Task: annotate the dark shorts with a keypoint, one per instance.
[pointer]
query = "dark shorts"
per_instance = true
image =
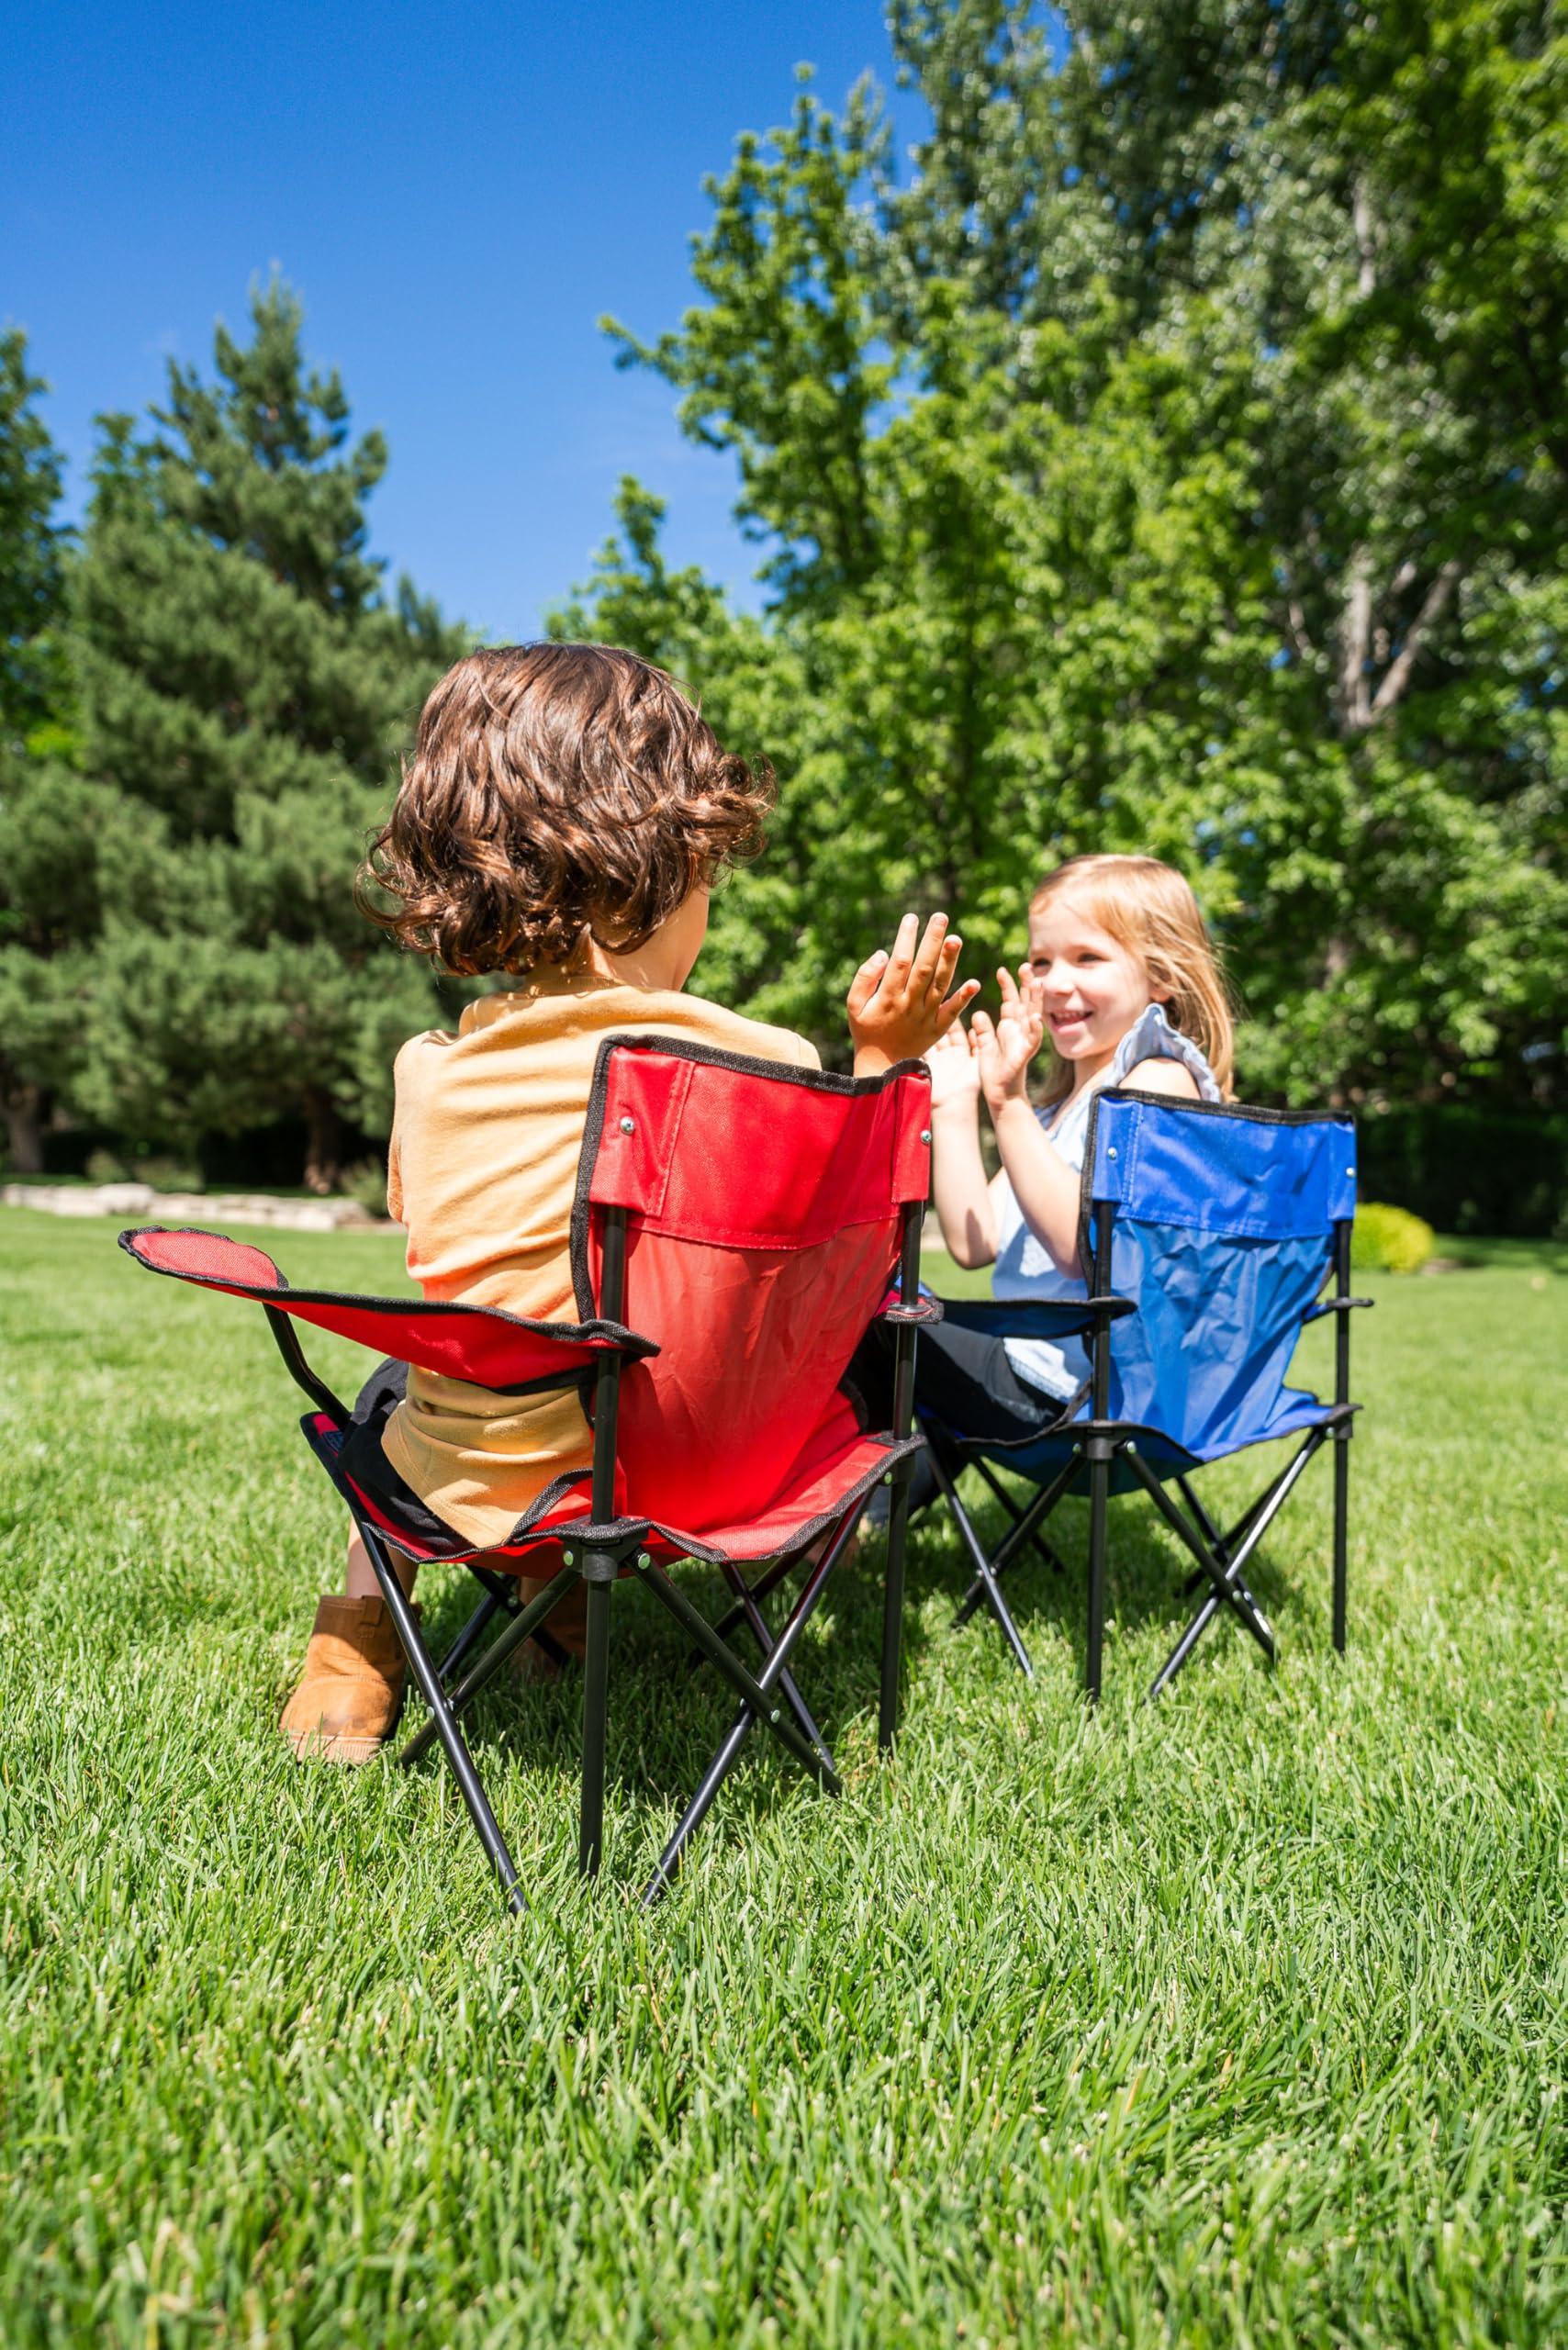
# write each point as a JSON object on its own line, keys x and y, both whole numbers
{"x": 362, "y": 1459}
{"x": 963, "y": 1377}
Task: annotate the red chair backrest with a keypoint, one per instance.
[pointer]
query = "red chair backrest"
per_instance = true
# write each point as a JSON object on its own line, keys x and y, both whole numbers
{"x": 765, "y": 1211}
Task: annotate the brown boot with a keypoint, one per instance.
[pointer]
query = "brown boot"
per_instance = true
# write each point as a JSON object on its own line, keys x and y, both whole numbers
{"x": 350, "y": 1691}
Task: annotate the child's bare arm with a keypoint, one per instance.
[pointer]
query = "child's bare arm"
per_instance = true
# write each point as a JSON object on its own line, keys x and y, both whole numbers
{"x": 1044, "y": 1185}
{"x": 962, "y": 1195}
{"x": 898, "y": 1005}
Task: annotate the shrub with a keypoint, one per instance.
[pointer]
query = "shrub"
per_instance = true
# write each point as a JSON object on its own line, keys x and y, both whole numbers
{"x": 168, "y": 1174}
{"x": 1390, "y": 1240}
{"x": 365, "y": 1181}
{"x": 103, "y": 1167}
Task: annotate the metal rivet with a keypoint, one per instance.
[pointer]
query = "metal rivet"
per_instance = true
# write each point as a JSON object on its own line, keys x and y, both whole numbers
{"x": 643, "y": 1560}
{"x": 1111, "y": 1153}
{"x": 628, "y": 1125}
{"x": 926, "y": 1133}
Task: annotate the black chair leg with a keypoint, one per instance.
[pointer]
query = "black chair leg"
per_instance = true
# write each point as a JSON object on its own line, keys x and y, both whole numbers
{"x": 1044, "y": 1551}
{"x": 423, "y": 1666}
{"x": 982, "y": 1567}
{"x": 1227, "y": 1586}
{"x": 1098, "y": 1505}
{"x": 525, "y": 1621}
{"x": 1341, "y": 1533}
{"x": 599, "y": 1575}
{"x": 488, "y": 1608}
{"x": 752, "y": 1614}
{"x": 892, "y": 1616}
{"x": 1024, "y": 1528}
{"x": 760, "y": 1694}
{"x": 697, "y": 1810}
{"x": 757, "y": 1592}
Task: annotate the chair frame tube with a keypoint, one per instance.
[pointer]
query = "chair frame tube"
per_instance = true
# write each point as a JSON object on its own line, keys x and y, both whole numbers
{"x": 901, "y": 1472}
{"x": 1100, "y": 1449}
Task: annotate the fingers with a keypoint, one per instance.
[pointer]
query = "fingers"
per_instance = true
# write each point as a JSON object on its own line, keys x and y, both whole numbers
{"x": 900, "y": 961}
{"x": 947, "y": 964}
{"x": 1008, "y": 992}
{"x": 867, "y": 980}
{"x": 934, "y": 947}
{"x": 948, "y": 1013}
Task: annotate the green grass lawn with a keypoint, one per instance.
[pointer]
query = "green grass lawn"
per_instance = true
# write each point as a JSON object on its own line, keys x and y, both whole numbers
{"x": 1240, "y": 2020}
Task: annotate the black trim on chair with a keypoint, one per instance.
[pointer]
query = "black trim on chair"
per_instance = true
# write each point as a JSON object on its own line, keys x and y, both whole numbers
{"x": 685, "y": 1048}
{"x": 584, "y": 1333}
{"x": 1243, "y": 1109}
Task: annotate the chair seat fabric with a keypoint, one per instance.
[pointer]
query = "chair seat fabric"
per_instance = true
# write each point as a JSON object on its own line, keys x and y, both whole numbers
{"x": 840, "y": 1465}
{"x": 1040, "y": 1456}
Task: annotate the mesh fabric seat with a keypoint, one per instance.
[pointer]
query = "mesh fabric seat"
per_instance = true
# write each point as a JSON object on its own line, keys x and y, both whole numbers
{"x": 737, "y": 1227}
{"x": 1209, "y": 1231}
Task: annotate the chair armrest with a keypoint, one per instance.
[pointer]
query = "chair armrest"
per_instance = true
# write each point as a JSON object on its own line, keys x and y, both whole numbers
{"x": 1335, "y": 1305}
{"x": 482, "y": 1345}
{"x": 1065, "y": 1317}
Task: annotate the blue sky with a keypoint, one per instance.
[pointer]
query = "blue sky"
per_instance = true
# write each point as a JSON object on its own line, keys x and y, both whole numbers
{"x": 458, "y": 193}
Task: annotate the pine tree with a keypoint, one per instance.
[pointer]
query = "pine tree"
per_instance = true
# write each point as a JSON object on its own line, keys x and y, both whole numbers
{"x": 46, "y": 909}
{"x": 33, "y": 551}
{"x": 247, "y": 683}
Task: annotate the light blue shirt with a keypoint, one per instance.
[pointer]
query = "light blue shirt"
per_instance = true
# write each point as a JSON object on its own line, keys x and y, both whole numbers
{"x": 1024, "y": 1265}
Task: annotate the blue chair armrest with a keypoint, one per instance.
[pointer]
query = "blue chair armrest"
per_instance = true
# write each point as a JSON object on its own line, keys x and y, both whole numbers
{"x": 1063, "y": 1317}
{"x": 1335, "y": 1305}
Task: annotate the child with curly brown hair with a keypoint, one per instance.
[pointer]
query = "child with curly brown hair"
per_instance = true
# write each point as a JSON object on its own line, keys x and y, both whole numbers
{"x": 562, "y": 821}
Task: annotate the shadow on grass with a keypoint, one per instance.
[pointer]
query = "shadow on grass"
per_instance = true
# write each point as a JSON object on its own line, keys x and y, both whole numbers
{"x": 1147, "y": 1568}
{"x": 668, "y": 1712}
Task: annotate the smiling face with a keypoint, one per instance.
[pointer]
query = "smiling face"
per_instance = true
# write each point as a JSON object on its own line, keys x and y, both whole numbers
{"x": 1092, "y": 988}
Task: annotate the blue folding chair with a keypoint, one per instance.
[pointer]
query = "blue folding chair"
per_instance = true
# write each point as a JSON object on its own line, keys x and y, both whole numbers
{"x": 1207, "y": 1232}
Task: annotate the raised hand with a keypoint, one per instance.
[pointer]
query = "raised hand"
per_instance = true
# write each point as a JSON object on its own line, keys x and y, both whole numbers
{"x": 955, "y": 1072}
{"x": 1004, "y": 1051}
{"x": 898, "y": 1006}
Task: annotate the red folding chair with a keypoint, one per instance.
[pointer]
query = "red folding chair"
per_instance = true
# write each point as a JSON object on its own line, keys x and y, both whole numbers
{"x": 737, "y": 1228}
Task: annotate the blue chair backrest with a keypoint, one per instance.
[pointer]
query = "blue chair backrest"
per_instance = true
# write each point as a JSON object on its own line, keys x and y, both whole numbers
{"x": 1224, "y": 1234}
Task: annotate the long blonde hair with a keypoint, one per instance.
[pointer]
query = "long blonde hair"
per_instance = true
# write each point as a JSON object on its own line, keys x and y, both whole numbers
{"x": 1149, "y": 908}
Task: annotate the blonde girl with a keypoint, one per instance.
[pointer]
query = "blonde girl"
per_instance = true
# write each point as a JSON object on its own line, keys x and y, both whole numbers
{"x": 1121, "y": 981}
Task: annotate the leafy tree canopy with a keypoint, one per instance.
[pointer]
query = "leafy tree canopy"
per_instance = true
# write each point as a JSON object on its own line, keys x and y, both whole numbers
{"x": 1172, "y": 458}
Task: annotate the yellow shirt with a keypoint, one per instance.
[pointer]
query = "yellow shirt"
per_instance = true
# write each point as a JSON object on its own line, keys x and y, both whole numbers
{"x": 482, "y": 1170}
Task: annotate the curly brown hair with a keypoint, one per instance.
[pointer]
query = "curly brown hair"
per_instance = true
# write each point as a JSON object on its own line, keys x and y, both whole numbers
{"x": 557, "y": 792}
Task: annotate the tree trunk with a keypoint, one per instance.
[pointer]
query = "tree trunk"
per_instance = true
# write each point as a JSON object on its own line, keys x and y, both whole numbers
{"x": 23, "y": 1106}
{"x": 323, "y": 1145}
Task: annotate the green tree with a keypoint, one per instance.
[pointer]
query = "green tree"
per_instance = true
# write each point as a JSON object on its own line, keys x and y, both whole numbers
{"x": 1366, "y": 211}
{"x": 1175, "y": 459}
{"x": 32, "y": 551}
{"x": 1041, "y": 635}
{"x": 47, "y": 904}
{"x": 247, "y": 681}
